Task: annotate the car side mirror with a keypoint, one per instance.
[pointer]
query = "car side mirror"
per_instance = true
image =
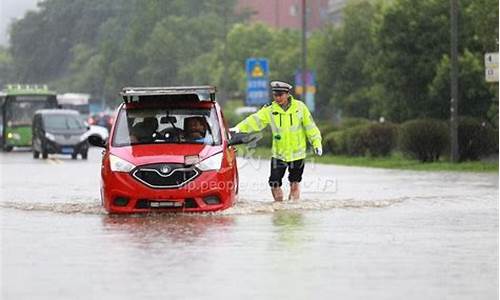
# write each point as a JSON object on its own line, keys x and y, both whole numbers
{"x": 97, "y": 141}
{"x": 242, "y": 138}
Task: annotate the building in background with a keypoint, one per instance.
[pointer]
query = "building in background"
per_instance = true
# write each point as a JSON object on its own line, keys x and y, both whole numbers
{"x": 334, "y": 11}
{"x": 286, "y": 13}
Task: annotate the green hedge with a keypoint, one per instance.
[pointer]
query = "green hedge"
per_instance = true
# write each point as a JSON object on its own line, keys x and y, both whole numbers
{"x": 353, "y": 122}
{"x": 332, "y": 143}
{"x": 354, "y": 141}
{"x": 326, "y": 127}
{"x": 381, "y": 138}
{"x": 374, "y": 139}
{"x": 424, "y": 139}
{"x": 476, "y": 139}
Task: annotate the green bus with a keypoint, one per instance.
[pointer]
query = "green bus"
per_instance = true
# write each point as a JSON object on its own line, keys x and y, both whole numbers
{"x": 18, "y": 105}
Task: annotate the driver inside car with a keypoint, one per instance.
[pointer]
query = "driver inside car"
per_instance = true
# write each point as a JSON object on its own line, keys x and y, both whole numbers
{"x": 195, "y": 130}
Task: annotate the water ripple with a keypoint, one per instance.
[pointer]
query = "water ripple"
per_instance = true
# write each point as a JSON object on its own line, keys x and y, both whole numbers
{"x": 242, "y": 207}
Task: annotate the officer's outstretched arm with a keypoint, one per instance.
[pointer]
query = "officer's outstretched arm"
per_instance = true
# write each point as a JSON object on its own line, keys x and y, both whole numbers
{"x": 255, "y": 122}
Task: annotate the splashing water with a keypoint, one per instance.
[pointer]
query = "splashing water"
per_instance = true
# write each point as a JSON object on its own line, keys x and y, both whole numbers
{"x": 242, "y": 207}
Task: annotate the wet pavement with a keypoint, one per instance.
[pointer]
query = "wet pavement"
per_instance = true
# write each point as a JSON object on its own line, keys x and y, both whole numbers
{"x": 358, "y": 233}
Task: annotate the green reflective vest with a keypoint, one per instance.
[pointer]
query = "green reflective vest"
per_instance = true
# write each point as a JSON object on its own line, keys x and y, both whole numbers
{"x": 290, "y": 128}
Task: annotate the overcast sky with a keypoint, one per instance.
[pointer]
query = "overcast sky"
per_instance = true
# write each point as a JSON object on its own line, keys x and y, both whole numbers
{"x": 12, "y": 9}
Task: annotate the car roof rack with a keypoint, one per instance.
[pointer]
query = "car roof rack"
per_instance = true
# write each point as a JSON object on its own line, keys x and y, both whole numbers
{"x": 197, "y": 93}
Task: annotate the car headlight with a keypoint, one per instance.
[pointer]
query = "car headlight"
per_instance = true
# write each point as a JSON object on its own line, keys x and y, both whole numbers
{"x": 214, "y": 162}
{"x": 119, "y": 165}
{"x": 50, "y": 136}
{"x": 14, "y": 136}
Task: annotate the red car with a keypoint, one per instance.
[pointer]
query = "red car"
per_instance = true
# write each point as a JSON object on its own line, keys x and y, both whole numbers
{"x": 169, "y": 150}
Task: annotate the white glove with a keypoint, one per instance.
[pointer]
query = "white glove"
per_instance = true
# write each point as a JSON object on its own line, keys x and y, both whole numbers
{"x": 234, "y": 130}
{"x": 318, "y": 151}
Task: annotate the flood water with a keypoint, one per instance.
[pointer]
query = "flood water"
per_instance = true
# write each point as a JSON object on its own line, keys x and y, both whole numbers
{"x": 357, "y": 233}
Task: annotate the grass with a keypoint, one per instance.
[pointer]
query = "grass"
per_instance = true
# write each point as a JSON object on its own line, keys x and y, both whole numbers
{"x": 396, "y": 161}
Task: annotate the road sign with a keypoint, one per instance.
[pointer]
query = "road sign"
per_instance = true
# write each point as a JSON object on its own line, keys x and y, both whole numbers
{"x": 310, "y": 88}
{"x": 491, "y": 67}
{"x": 257, "y": 70}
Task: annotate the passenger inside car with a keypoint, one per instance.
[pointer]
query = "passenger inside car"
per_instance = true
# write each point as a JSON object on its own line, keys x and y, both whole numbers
{"x": 144, "y": 132}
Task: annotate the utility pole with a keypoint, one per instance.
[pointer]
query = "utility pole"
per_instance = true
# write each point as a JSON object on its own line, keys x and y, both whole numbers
{"x": 454, "y": 81}
{"x": 277, "y": 13}
{"x": 304, "y": 49}
{"x": 224, "y": 88}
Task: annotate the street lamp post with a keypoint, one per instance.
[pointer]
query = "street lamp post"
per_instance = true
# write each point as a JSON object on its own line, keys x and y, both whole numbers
{"x": 304, "y": 49}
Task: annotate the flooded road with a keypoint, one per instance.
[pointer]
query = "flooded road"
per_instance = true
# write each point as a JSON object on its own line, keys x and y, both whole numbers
{"x": 358, "y": 233}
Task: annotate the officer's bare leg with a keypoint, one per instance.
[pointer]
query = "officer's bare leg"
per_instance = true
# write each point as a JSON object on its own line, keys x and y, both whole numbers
{"x": 277, "y": 193}
{"x": 294, "y": 191}
{"x": 278, "y": 169}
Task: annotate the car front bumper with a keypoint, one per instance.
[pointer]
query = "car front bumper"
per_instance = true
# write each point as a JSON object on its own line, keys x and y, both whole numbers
{"x": 209, "y": 191}
{"x": 55, "y": 148}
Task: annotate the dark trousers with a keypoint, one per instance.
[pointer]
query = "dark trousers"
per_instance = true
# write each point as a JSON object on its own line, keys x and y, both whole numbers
{"x": 278, "y": 168}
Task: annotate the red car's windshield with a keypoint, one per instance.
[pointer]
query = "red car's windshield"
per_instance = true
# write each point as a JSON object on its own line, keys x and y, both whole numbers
{"x": 165, "y": 125}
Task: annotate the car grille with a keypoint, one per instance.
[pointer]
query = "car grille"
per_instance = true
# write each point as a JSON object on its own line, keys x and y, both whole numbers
{"x": 168, "y": 204}
{"x": 165, "y": 176}
{"x": 67, "y": 139}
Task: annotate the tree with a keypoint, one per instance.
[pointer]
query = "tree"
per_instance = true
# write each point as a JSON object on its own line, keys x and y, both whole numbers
{"x": 343, "y": 58}
{"x": 412, "y": 38}
{"x": 414, "y": 42}
{"x": 100, "y": 46}
{"x": 475, "y": 94}
{"x": 42, "y": 42}
{"x": 280, "y": 47}
{"x": 6, "y": 67}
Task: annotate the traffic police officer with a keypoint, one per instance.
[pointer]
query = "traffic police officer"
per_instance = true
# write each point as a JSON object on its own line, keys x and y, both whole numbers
{"x": 291, "y": 123}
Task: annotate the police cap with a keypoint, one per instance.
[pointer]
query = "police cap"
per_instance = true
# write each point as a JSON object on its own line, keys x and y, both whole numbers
{"x": 280, "y": 86}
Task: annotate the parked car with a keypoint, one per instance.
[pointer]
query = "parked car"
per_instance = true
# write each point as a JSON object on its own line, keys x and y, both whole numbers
{"x": 59, "y": 131}
{"x": 169, "y": 150}
{"x": 100, "y": 131}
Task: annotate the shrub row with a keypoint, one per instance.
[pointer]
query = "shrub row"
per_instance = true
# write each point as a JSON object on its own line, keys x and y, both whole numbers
{"x": 476, "y": 138}
{"x": 423, "y": 139}
{"x": 374, "y": 139}
{"x": 426, "y": 140}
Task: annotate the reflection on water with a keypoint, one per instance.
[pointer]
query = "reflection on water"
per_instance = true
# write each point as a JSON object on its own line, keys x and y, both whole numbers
{"x": 159, "y": 228}
{"x": 289, "y": 226}
{"x": 288, "y": 219}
